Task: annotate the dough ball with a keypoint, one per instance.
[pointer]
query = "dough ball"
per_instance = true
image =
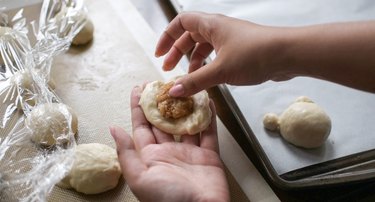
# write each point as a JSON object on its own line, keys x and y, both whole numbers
{"x": 24, "y": 83}
{"x": 22, "y": 79}
{"x": 85, "y": 35}
{"x": 4, "y": 36}
{"x": 176, "y": 116}
{"x": 51, "y": 123}
{"x": 4, "y": 30}
{"x": 305, "y": 124}
{"x": 271, "y": 121}
{"x": 95, "y": 169}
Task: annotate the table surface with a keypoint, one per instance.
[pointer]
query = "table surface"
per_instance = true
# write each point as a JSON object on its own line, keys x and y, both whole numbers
{"x": 158, "y": 14}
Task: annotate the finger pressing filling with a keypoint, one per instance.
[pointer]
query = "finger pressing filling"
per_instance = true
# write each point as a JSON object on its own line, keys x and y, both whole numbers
{"x": 173, "y": 107}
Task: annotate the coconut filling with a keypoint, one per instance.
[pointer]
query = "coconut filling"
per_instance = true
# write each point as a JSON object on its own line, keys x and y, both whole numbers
{"x": 173, "y": 107}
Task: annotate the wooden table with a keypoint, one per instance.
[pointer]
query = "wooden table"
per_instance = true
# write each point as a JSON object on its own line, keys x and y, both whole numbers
{"x": 158, "y": 14}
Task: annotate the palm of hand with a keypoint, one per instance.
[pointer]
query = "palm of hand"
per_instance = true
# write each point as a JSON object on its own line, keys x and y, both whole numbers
{"x": 182, "y": 170}
{"x": 157, "y": 168}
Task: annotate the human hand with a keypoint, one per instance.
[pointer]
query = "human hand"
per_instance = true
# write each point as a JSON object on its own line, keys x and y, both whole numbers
{"x": 246, "y": 53}
{"x": 157, "y": 168}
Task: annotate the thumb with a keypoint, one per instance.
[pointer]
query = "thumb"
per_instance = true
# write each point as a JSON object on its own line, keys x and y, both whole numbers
{"x": 203, "y": 78}
{"x": 122, "y": 139}
{"x": 130, "y": 162}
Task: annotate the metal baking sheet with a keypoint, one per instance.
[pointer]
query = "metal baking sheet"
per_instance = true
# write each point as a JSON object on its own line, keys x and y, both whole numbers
{"x": 348, "y": 153}
{"x": 351, "y": 112}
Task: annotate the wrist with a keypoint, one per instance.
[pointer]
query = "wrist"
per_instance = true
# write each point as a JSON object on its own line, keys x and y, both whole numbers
{"x": 279, "y": 60}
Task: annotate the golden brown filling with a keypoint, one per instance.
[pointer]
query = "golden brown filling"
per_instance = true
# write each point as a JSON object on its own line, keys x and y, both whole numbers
{"x": 172, "y": 107}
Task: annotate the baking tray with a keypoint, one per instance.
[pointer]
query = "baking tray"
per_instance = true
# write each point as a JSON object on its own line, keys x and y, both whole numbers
{"x": 343, "y": 168}
{"x": 353, "y": 168}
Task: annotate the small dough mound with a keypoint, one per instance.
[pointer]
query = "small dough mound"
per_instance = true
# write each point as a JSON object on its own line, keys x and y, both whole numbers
{"x": 4, "y": 30}
{"x": 96, "y": 169}
{"x": 85, "y": 35}
{"x": 175, "y": 115}
{"x": 5, "y": 36}
{"x": 271, "y": 121}
{"x": 51, "y": 123}
{"x": 24, "y": 82}
{"x": 303, "y": 123}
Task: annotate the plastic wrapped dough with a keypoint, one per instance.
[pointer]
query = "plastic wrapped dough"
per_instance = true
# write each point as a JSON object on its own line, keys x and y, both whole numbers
{"x": 29, "y": 170}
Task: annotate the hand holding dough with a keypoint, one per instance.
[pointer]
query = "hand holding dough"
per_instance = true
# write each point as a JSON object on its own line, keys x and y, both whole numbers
{"x": 303, "y": 123}
{"x": 177, "y": 116}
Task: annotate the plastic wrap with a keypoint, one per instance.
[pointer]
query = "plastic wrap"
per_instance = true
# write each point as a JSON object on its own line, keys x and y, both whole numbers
{"x": 29, "y": 169}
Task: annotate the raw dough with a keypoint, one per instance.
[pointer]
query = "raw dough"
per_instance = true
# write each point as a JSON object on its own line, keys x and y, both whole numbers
{"x": 303, "y": 123}
{"x": 4, "y": 36}
{"x": 95, "y": 169}
{"x": 191, "y": 124}
{"x": 271, "y": 122}
{"x": 23, "y": 82}
{"x": 51, "y": 123}
{"x": 85, "y": 35}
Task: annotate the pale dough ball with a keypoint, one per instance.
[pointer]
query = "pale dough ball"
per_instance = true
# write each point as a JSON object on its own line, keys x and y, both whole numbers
{"x": 4, "y": 36}
{"x": 271, "y": 121}
{"x": 23, "y": 80}
{"x": 191, "y": 124}
{"x": 52, "y": 122}
{"x": 4, "y": 30}
{"x": 305, "y": 124}
{"x": 85, "y": 35}
{"x": 95, "y": 169}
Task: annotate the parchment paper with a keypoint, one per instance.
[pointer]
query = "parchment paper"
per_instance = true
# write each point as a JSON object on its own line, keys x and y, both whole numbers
{"x": 351, "y": 111}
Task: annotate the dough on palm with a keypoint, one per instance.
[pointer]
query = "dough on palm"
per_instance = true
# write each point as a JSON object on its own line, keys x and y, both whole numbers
{"x": 171, "y": 115}
{"x": 51, "y": 123}
{"x": 95, "y": 169}
{"x": 303, "y": 123}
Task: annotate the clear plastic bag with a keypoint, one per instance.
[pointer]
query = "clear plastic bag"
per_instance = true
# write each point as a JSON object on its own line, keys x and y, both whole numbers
{"x": 29, "y": 169}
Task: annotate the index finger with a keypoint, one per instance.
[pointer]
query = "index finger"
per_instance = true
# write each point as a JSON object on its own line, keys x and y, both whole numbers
{"x": 190, "y": 21}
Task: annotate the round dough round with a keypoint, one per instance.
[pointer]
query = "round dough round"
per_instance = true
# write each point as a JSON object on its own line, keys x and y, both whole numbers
{"x": 51, "y": 123}
{"x": 271, "y": 121}
{"x": 305, "y": 124}
{"x": 191, "y": 124}
{"x": 5, "y": 36}
{"x": 85, "y": 35}
{"x": 24, "y": 81}
{"x": 96, "y": 169}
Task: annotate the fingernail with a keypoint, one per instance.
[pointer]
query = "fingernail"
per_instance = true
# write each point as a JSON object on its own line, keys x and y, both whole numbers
{"x": 166, "y": 66}
{"x": 177, "y": 90}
